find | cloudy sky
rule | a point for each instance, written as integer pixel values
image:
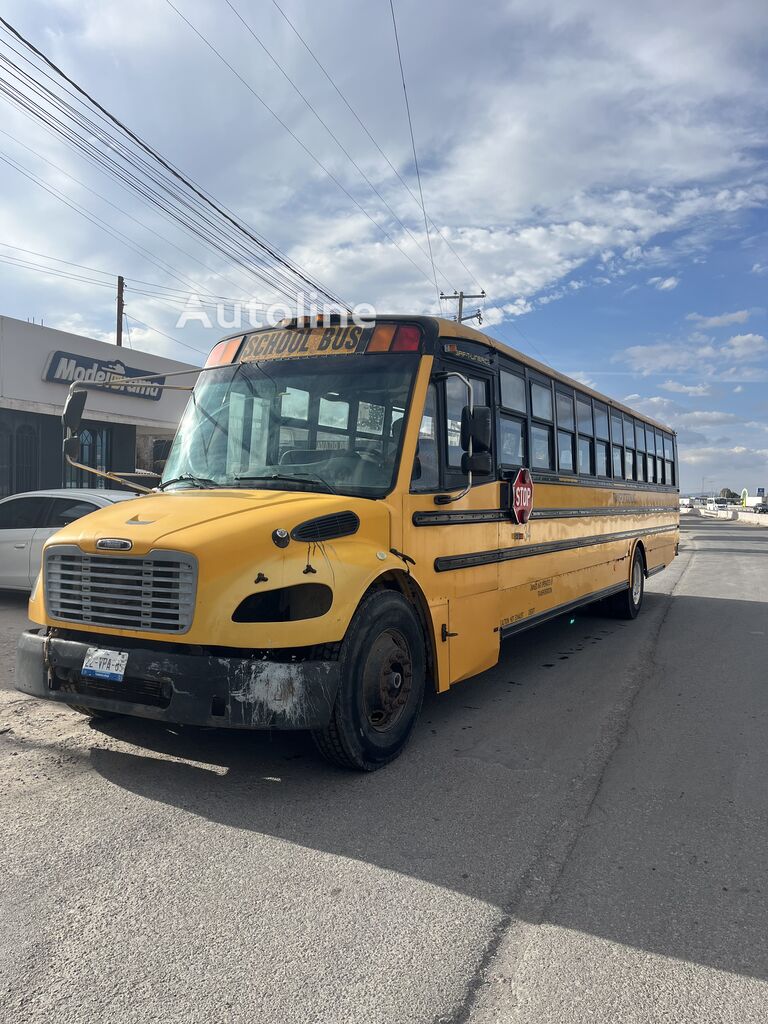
(600, 169)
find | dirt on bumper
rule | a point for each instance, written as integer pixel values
(183, 688)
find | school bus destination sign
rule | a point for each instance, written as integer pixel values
(67, 367)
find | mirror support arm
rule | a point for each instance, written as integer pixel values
(109, 476)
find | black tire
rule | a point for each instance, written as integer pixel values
(383, 669)
(628, 603)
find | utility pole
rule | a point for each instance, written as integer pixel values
(461, 296)
(120, 304)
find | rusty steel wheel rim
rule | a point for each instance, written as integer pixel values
(387, 680)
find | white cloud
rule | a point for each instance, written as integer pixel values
(723, 320)
(745, 346)
(706, 417)
(760, 268)
(686, 389)
(584, 378)
(738, 389)
(664, 284)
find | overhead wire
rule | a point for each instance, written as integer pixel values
(115, 206)
(206, 229)
(308, 103)
(413, 146)
(189, 189)
(295, 137)
(365, 128)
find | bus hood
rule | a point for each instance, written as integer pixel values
(189, 520)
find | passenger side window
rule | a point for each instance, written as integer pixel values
(426, 464)
(542, 440)
(64, 511)
(21, 513)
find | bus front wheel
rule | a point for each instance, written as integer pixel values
(383, 668)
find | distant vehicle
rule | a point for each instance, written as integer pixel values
(761, 509)
(717, 504)
(686, 503)
(28, 520)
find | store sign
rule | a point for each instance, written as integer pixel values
(67, 367)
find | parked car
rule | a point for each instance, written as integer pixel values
(28, 520)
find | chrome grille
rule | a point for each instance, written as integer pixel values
(155, 593)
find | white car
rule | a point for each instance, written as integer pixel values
(28, 520)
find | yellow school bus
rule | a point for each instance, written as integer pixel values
(348, 515)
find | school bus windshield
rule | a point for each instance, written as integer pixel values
(300, 424)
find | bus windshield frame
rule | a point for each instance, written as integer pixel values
(314, 424)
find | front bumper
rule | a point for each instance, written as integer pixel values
(186, 689)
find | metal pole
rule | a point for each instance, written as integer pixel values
(120, 304)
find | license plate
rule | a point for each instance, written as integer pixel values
(101, 664)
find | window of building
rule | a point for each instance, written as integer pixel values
(629, 463)
(6, 462)
(26, 459)
(640, 466)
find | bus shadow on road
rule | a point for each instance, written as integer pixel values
(596, 755)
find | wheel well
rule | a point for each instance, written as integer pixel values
(641, 548)
(403, 583)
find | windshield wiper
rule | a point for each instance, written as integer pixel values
(296, 478)
(199, 481)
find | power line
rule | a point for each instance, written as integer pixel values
(359, 120)
(162, 197)
(294, 136)
(200, 351)
(109, 202)
(329, 130)
(413, 146)
(199, 194)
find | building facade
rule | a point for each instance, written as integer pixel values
(123, 428)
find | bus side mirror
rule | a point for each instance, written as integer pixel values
(478, 463)
(476, 428)
(73, 411)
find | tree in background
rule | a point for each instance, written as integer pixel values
(729, 494)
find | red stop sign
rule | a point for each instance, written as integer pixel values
(522, 496)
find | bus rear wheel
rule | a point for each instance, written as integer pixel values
(383, 668)
(628, 603)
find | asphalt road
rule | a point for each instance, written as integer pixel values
(581, 834)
